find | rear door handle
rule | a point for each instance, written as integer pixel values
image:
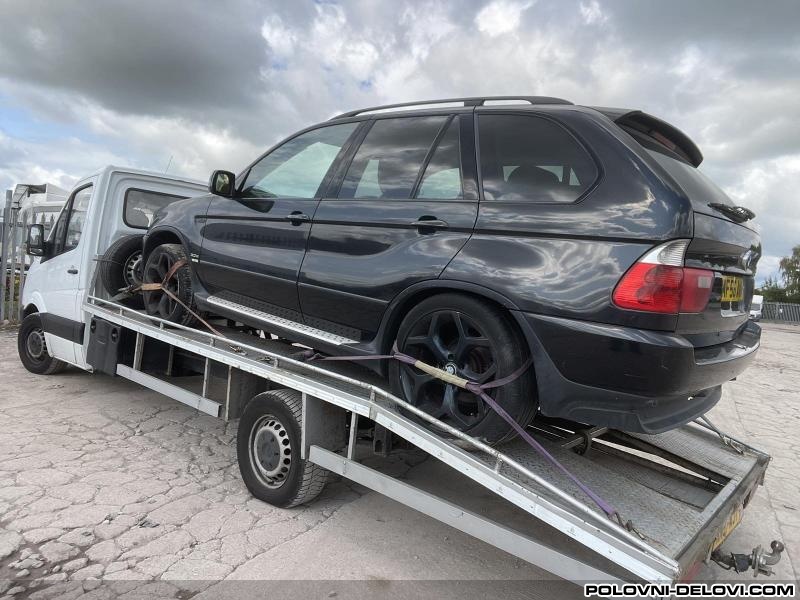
(430, 222)
(72, 271)
(297, 217)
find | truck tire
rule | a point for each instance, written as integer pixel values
(121, 267)
(157, 303)
(32, 348)
(268, 451)
(474, 339)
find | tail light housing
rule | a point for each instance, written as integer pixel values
(659, 283)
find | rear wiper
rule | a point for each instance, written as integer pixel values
(739, 214)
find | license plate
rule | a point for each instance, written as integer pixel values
(732, 289)
(731, 523)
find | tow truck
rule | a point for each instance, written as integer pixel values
(677, 495)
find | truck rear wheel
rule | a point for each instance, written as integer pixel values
(32, 348)
(268, 451)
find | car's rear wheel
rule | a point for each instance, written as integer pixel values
(473, 339)
(158, 303)
(32, 348)
(121, 268)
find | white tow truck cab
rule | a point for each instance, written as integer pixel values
(675, 496)
(109, 204)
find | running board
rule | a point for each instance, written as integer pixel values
(283, 323)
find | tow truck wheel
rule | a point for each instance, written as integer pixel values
(121, 267)
(268, 451)
(32, 348)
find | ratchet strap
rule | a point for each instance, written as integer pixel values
(480, 390)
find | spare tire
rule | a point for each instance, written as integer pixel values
(121, 267)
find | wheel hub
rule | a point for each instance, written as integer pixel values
(451, 368)
(133, 269)
(270, 451)
(35, 344)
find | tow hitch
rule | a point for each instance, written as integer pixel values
(759, 560)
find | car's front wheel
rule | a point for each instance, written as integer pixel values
(161, 268)
(473, 339)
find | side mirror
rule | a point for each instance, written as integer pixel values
(222, 183)
(35, 241)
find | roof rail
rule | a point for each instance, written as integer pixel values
(470, 101)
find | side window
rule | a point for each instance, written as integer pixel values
(69, 227)
(442, 178)
(389, 159)
(142, 205)
(296, 169)
(531, 159)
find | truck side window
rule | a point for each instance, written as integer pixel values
(69, 227)
(525, 158)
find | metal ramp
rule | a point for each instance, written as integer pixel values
(682, 491)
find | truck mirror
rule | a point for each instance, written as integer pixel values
(222, 183)
(35, 241)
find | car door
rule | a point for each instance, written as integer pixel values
(253, 244)
(403, 210)
(62, 320)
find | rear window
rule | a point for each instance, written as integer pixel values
(700, 189)
(530, 159)
(142, 205)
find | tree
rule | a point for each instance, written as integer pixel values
(771, 291)
(790, 272)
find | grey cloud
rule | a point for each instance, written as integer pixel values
(726, 72)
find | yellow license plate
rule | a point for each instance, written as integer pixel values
(730, 524)
(732, 289)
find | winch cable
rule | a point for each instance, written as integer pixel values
(479, 389)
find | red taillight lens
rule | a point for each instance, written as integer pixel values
(664, 289)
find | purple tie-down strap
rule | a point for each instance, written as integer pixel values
(480, 391)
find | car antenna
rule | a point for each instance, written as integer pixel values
(169, 162)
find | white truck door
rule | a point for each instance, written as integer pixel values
(63, 321)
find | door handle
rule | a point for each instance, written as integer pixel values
(430, 223)
(297, 217)
(72, 271)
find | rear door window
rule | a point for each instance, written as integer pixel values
(442, 177)
(532, 159)
(389, 160)
(142, 205)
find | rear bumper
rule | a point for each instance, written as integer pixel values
(630, 379)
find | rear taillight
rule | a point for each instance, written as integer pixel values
(658, 282)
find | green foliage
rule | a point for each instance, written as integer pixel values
(790, 271)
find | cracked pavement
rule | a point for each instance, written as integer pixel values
(103, 481)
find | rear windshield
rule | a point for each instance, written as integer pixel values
(700, 189)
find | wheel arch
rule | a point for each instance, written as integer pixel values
(30, 309)
(162, 235)
(414, 294)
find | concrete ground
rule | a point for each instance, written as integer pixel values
(110, 490)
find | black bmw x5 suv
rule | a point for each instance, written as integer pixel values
(476, 233)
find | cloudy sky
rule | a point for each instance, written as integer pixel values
(212, 84)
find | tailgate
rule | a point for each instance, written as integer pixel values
(732, 252)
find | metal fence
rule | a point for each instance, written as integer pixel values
(781, 311)
(14, 262)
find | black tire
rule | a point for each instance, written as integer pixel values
(121, 267)
(268, 451)
(478, 341)
(157, 303)
(32, 348)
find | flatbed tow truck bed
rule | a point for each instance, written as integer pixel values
(679, 493)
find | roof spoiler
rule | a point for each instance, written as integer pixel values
(662, 132)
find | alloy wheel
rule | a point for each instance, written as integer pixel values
(454, 342)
